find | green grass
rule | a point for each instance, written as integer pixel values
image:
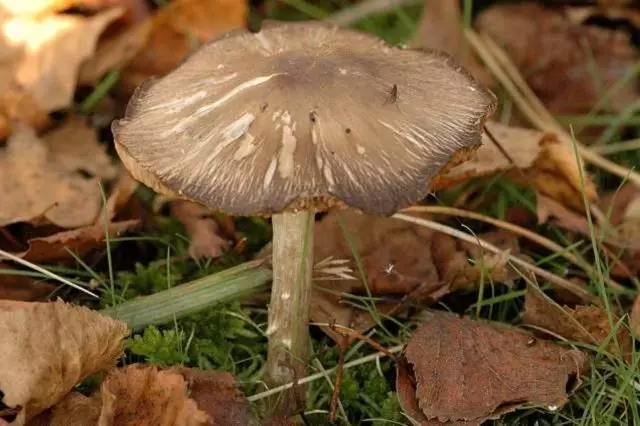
(228, 333)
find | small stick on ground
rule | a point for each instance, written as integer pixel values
(335, 396)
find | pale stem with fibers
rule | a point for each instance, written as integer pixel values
(292, 267)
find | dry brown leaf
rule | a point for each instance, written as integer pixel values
(20, 287)
(201, 229)
(75, 409)
(586, 324)
(115, 52)
(542, 161)
(176, 30)
(74, 147)
(56, 247)
(615, 14)
(48, 348)
(471, 371)
(32, 185)
(441, 29)
(41, 7)
(144, 395)
(400, 259)
(559, 59)
(618, 237)
(216, 393)
(46, 54)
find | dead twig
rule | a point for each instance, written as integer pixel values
(335, 396)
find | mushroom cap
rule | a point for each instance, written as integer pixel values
(302, 115)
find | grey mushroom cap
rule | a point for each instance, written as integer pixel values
(302, 115)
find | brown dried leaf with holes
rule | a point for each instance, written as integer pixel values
(539, 160)
(48, 348)
(585, 324)
(559, 58)
(43, 56)
(461, 371)
(403, 262)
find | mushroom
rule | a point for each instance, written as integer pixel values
(296, 119)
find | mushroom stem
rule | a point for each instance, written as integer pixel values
(290, 298)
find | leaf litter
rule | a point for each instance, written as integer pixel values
(399, 260)
(559, 58)
(407, 267)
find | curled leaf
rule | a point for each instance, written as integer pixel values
(48, 348)
(539, 159)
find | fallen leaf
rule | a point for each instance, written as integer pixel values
(32, 185)
(216, 393)
(74, 147)
(74, 409)
(41, 7)
(56, 247)
(586, 324)
(115, 52)
(46, 53)
(471, 371)
(176, 30)
(440, 29)
(400, 259)
(123, 189)
(616, 14)
(201, 229)
(48, 348)
(21, 287)
(539, 159)
(559, 59)
(145, 395)
(617, 236)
